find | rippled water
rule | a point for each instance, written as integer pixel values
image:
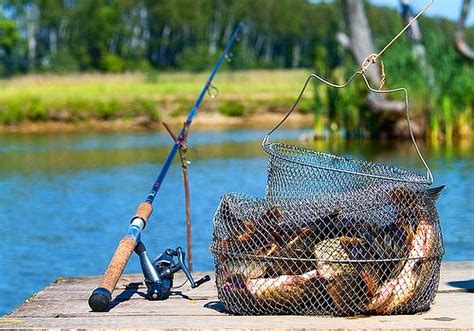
(66, 199)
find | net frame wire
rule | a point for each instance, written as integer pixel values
(266, 141)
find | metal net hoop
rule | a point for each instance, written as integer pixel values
(276, 149)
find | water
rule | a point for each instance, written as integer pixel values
(66, 199)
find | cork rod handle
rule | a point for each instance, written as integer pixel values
(144, 211)
(101, 297)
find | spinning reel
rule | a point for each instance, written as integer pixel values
(159, 273)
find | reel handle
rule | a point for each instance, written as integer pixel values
(201, 281)
(102, 295)
(181, 265)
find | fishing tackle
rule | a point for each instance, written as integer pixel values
(159, 273)
(102, 295)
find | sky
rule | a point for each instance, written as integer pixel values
(444, 8)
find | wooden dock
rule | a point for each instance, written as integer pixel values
(63, 304)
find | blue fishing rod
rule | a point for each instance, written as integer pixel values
(158, 274)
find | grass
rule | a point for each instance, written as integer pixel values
(231, 108)
(79, 97)
(57, 89)
(150, 97)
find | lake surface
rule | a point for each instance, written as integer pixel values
(66, 199)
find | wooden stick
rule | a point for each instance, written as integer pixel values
(187, 194)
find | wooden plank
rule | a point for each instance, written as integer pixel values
(457, 276)
(436, 318)
(63, 304)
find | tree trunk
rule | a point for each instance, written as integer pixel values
(268, 51)
(259, 44)
(361, 45)
(228, 30)
(163, 45)
(53, 41)
(135, 32)
(62, 30)
(296, 55)
(145, 33)
(32, 16)
(461, 44)
(214, 31)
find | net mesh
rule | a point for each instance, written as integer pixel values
(331, 236)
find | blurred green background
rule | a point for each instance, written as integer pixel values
(64, 47)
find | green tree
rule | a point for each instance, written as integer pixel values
(9, 43)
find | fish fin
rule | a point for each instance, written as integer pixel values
(410, 236)
(434, 192)
(335, 214)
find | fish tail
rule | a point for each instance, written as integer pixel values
(434, 192)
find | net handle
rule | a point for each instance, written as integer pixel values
(266, 139)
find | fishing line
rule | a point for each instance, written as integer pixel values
(179, 286)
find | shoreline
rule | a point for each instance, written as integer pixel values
(203, 121)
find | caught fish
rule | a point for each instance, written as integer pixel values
(288, 242)
(392, 241)
(283, 243)
(249, 269)
(344, 259)
(285, 288)
(408, 198)
(249, 234)
(352, 287)
(350, 293)
(389, 242)
(399, 290)
(293, 248)
(329, 252)
(434, 192)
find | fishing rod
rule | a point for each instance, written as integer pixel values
(158, 273)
